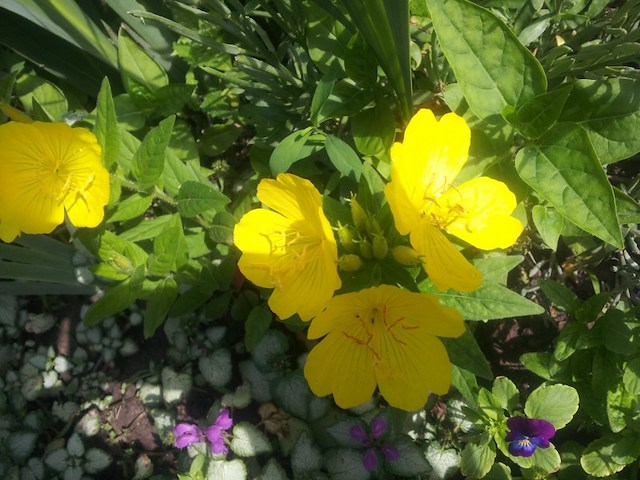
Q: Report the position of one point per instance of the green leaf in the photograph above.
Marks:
(296, 146)
(343, 157)
(256, 326)
(477, 460)
(505, 391)
(373, 130)
(169, 249)
(346, 99)
(106, 127)
(159, 304)
(135, 64)
(117, 298)
(620, 407)
(148, 161)
(491, 65)
(628, 208)
(306, 457)
(35, 90)
(227, 470)
(563, 169)
(489, 405)
(490, 302)
(131, 207)
(555, 403)
(248, 441)
(541, 363)
(323, 90)
(546, 459)
(535, 116)
(346, 464)
(410, 463)
(631, 376)
(561, 296)
(597, 458)
(96, 460)
(443, 461)
(617, 333)
(195, 198)
(216, 368)
(609, 110)
(384, 24)
(495, 268)
(549, 224)
(499, 471)
(465, 352)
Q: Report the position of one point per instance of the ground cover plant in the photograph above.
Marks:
(319, 240)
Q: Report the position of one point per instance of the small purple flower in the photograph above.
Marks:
(377, 427)
(186, 434)
(525, 434)
(216, 433)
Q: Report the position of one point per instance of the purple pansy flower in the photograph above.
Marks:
(377, 427)
(526, 434)
(216, 433)
(186, 434)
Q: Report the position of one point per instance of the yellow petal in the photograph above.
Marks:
(259, 235)
(341, 366)
(411, 369)
(8, 231)
(433, 152)
(444, 264)
(405, 209)
(486, 221)
(294, 197)
(307, 293)
(423, 310)
(340, 310)
(86, 209)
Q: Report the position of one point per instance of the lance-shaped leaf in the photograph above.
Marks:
(385, 26)
(148, 161)
(491, 65)
(564, 169)
(609, 110)
(106, 128)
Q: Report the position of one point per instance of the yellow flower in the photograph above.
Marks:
(47, 169)
(424, 201)
(290, 248)
(382, 336)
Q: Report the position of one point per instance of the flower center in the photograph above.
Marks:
(374, 323)
(444, 210)
(293, 251)
(58, 183)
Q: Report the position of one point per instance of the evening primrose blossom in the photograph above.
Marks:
(290, 248)
(48, 170)
(425, 202)
(382, 336)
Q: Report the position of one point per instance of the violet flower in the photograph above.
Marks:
(377, 427)
(217, 432)
(188, 433)
(527, 434)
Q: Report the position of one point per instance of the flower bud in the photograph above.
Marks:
(366, 250)
(350, 262)
(373, 227)
(358, 214)
(405, 255)
(346, 238)
(380, 247)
